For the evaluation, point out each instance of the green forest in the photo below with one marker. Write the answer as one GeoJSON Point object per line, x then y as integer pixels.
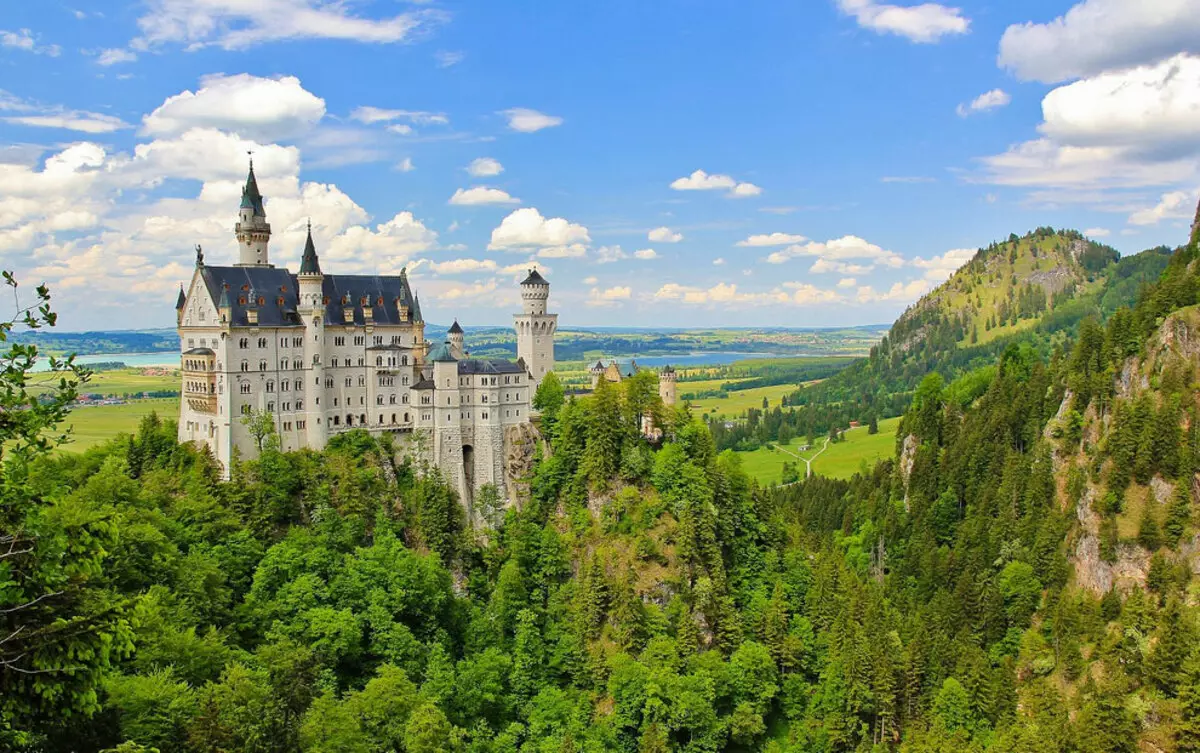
{"type": "Point", "coordinates": [1018, 578]}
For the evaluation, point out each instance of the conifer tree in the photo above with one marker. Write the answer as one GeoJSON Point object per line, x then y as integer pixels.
{"type": "Point", "coordinates": [1179, 512]}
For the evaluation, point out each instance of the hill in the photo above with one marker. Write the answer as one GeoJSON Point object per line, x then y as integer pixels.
{"type": "Point", "coordinates": [1033, 290]}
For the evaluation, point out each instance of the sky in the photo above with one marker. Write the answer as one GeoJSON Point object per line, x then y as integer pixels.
{"type": "Point", "coordinates": [677, 163]}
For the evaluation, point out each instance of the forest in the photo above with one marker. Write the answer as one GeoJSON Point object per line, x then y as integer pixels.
{"type": "Point", "coordinates": [1019, 578]}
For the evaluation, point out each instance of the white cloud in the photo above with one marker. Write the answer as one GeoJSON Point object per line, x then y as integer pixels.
{"type": "Point", "coordinates": [1127, 129]}
{"type": "Point", "coordinates": [462, 266]}
{"type": "Point", "coordinates": [790, 293]}
{"type": "Point", "coordinates": [939, 268]}
{"type": "Point", "coordinates": [526, 229]}
{"type": "Point", "coordinates": [702, 181]}
{"type": "Point", "coordinates": [847, 282]}
{"type": "Point", "coordinates": [485, 167]}
{"type": "Point", "coordinates": [1097, 232]}
{"type": "Point", "coordinates": [924, 23]}
{"type": "Point", "coordinates": [370, 115]}
{"type": "Point", "coordinates": [23, 39]}
{"type": "Point", "coordinates": [719, 261]}
{"type": "Point", "coordinates": [664, 235]}
{"type": "Point", "coordinates": [447, 58]}
{"type": "Point", "coordinates": [1100, 35]}
{"type": "Point", "coordinates": [609, 296]}
{"type": "Point", "coordinates": [610, 254]}
{"type": "Point", "coordinates": [645, 254]}
{"type": "Point", "coordinates": [838, 249]}
{"type": "Point", "coordinates": [1176, 205]}
{"type": "Point", "coordinates": [258, 108]}
{"type": "Point", "coordinates": [400, 129]}
{"type": "Point", "coordinates": [591, 280]}
{"type": "Point", "coordinates": [405, 165]}
{"type": "Point", "coordinates": [239, 24]}
{"type": "Point", "coordinates": [115, 55]}
{"type": "Point", "coordinates": [771, 239]}
{"type": "Point", "coordinates": [389, 245]}
{"type": "Point", "coordinates": [527, 121]}
{"type": "Point", "coordinates": [984, 102]}
{"type": "Point", "coordinates": [905, 292]}
{"type": "Point", "coordinates": [825, 266]}
{"type": "Point", "coordinates": [37, 115]}
{"type": "Point", "coordinates": [480, 195]}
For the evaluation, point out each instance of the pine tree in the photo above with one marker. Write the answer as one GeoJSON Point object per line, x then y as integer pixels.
{"type": "Point", "coordinates": [1179, 513]}
{"type": "Point", "coordinates": [1187, 734]}
{"type": "Point", "coordinates": [873, 424]}
{"type": "Point", "coordinates": [1149, 534]}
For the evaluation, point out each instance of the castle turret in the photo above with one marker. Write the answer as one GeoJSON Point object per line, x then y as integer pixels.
{"type": "Point", "coordinates": [253, 231]}
{"type": "Point", "coordinates": [180, 303]}
{"type": "Point", "coordinates": [455, 336]}
{"type": "Point", "coordinates": [311, 308]}
{"type": "Point", "coordinates": [535, 328]}
{"type": "Point", "coordinates": [597, 372]}
{"type": "Point", "coordinates": [666, 385]}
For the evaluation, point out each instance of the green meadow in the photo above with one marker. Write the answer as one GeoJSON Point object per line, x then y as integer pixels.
{"type": "Point", "coordinates": [840, 460]}
{"type": "Point", "coordinates": [96, 425]}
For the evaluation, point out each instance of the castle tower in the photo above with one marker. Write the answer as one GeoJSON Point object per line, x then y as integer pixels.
{"type": "Point", "coordinates": [180, 303]}
{"type": "Point", "coordinates": [311, 308]}
{"type": "Point", "coordinates": [666, 385]}
{"type": "Point", "coordinates": [597, 372]}
{"type": "Point", "coordinates": [535, 328]}
{"type": "Point", "coordinates": [253, 231]}
{"type": "Point", "coordinates": [455, 336]}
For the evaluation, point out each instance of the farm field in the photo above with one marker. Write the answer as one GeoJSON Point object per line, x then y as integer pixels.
{"type": "Point", "coordinates": [841, 460]}
{"type": "Point", "coordinates": [96, 425]}
{"type": "Point", "coordinates": [735, 403]}
{"type": "Point", "coordinates": [120, 382]}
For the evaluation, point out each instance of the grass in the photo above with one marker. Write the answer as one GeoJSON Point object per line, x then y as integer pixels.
{"type": "Point", "coordinates": [96, 425]}
{"type": "Point", "coordinates": [122, 382]}
{"type": "Point", "coordinates": [840, 460]}
{"type": "Point", "coordinates": [736, 403]}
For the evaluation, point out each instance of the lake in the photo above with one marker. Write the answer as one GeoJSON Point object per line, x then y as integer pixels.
{"type": "Point", "coordinates": [132, 360]}
{"type": "Point", "coordinates": [171, 358]}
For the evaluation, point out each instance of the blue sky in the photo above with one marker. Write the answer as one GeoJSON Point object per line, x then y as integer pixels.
{"type": "Point", "coordinates": [672, 163]}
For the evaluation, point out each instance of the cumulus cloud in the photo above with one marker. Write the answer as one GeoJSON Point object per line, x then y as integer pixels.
{"type": "Point", "coordinates": [925, 23]}
{"type": "Point", "coordinates": [719, 261]}
{"type": "Point", "coordinates": [645, 254]}
{"type": "Point", "coordinates": [825, 266]}
{"type": "Point", "coordinates": [1175, 205]}
{"type": "Point", "coordinates": [114, 56]}
{"type": "Point", "coordinates": [480, 195]}
{"type": "Point", "coordinates": [24, 40]}
{"type": "Point", "coordinates": [609, 254]}
{"type": "Point", "coordinates": [525, 120]}
{"type": "Point", "coordinates": [790, 293]}
{"type": "Point", "coordinates": [904, 292]}
{"type": "Point", "coordinates": [847, 282]}
{"type": "Point", "coordinates": [239, 24]}
{"type": "Point", "coordinates": [526, 229]}
{"type": "Point", "coordinates": [461, 266]}
{"type": "Point", "coordinates": [405, 165]}
{"type": "Point", "coordinates": [258, 108]}
{"type": "Point", "coordinates": [984, 102]}
{"type": "Point", "coordinates": [664, 235]}
{"type": "Point", "coordinates": [591, 280]}
{"type": "Point", "coordinates": [702, 181]}
{"type": "Point", "coordinates": [772, 239]}
{"type": "Point", "coordinates": [1129, 128]}
{"type": "Point", "coordinates": [609, 296]}
{"type": "Point", "coordinates": [838, 249]}
{"type": "Point", "coordinates": [939, 268]}
{"type": "Point", "coordinates": [1100, 35]}
{"type": "Point", "coordinates": [485, 167]}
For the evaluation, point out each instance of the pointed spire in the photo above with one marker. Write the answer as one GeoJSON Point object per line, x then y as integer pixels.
{"type": "Point", "coordinates": [456, 328]}
{"type": "Point", "coordinates": [416, 312]}
{"type": "Point", "coordinates": [309, 264]}
{"type": "Point", "coordinates": [182, 300]}
{"type": "Point", "coordinates": [251, 197]}
{"type": "Point", "coordinates": [223, 303]}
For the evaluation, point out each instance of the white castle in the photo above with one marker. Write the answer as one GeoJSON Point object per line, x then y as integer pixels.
{"type": "Point", "coordinates": [322, 354]}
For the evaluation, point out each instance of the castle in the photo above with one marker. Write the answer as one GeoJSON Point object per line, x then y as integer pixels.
{"type": "Point", "coordinates": [319, 354]}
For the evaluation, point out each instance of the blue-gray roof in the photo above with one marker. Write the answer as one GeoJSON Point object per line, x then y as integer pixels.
{"type": "Point", "coordinates": [441, 354]}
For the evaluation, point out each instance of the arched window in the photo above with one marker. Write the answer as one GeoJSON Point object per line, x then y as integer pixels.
{"type": "Point", "coordinates": [270, 385]}
{"type": "Point", "coordinates": [262, 365]}
{"type": "Point", "coordinates": [245, 365]}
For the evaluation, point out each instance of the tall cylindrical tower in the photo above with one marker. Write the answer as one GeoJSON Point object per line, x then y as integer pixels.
{"type": "Point", "coordinates": [252, 229]}
{"type": "Point", "coordinates": [666, 385]}
{"type": "Point", "coordinates": [535, 328]}
{"type": "Point", "coordinates": [311, 309]}
{"type": "Point", "coordinates": [455, 338]}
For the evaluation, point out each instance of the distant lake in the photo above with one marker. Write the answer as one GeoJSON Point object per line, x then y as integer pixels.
{"type": "Point", "coordinates": [132, 360]}
{"type": "Point", "coordinates": [171, 358]}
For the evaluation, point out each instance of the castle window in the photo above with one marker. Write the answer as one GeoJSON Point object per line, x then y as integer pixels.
{"type": "Point", "coordinates": [299, 405]}
{"type": "Point", "coordinates": [392, 399]}
{"type": "Point", "coordinates": [300, 386]}
{"type": "Point", "coordinates": [271, 407]}
{"type": "Point", "coordinates": [302, 424]}
{"type": "Point", "coordinates": [333, 363]}
{"type": "Point", "coordinates": [359, 340]}
{"type": "Point", "coordinates": [404, 381]}
{"type": "Point", "coordinates": [381, 418]}
{"type": "Point", "coordinates": [297, 342]}
{"type": "Point", "coordinates": [378, 360]}
{"type": "Point", "coordinates": [297, 364]}
{"type": "Point", "coordinates": [378, 339]}
{"type": "Point", "coordinates": [328, 383]}
{"type": "Point", "coordinates": [283, 362]}
{"type": "Point", "coordinates": [339, 341]}
{"type": "Point", "coordinates": [287, 425]}
{"type": "Point", "coordinates": [201, 314]}
{"type": "Point", "coordinates": [245, 365]}
{"type": "Point", "coordinates": [270, 385]}
{"type": "Point", "coordinates": [337, 421]}
{"type": "Point", "coordinates": [262, 342]}
{"type": "Point", "coordinates": [335, 402]}
{"type": "Point", "coordinates": [284, 385]}
{"type": "Point", "coordinates": [485, 415]}
{"type": "Point", "coordinates": [379, 399]}
{"type": "Point", "coordinates": [349, 419]}
{"type": "Point", "coordinates": [447, 399]}
{"type": "Point", "coordinates": [246, 410]}
{"type": "Point", "coordinates": [484, 399]}
{"type": "Point", "coordinates": [191, 343]}
{"type": "Point", "coordinates": [244, 342]}
{"type": "Point", "coordinates": [316, 360]}
{"type": "Point", "coordinates": [506, 380]}
{"type": "Point", "coordinates": [362, 418]}
{"type": "Point", "coordinates": [405, 398]}
{"type": "Point", "coordinates": [262, 365]}
{"type": "Point", "coordinates": [361, 361]}
{"type": "Point", "coordinates": [405, 418]}
{"type": "Point", "coordinates": [349, 381]}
